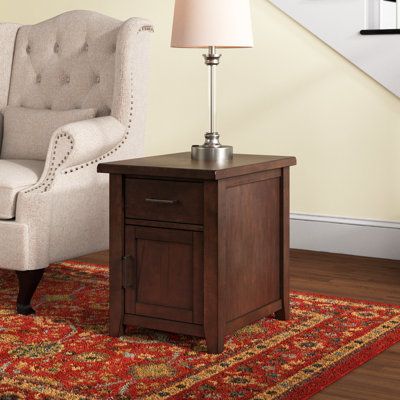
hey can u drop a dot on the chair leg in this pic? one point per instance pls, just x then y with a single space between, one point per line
28 282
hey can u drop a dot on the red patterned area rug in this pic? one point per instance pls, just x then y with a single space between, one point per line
65 353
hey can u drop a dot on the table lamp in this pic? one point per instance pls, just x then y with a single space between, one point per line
212 24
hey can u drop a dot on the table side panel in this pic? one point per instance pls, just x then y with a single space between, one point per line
251 242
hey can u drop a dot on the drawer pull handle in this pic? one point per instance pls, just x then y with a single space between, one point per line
161 201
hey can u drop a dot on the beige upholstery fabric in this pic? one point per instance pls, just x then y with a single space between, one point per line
65 214
1 130
27 131
14 245
72 185
16 175
7 40
66 62
130 90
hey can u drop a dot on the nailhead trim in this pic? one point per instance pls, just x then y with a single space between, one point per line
45 185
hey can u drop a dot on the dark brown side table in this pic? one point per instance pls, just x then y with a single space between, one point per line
198 248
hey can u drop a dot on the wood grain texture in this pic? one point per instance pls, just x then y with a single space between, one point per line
252 316
164 325
349 276
214 320
164 224
180 165
240 268
143 196
284 313
360 278
130 251
198 279
116 253
164 273
252 242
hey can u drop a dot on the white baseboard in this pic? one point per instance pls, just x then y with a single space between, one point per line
359 237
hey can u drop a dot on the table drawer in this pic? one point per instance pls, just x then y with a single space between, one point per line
159 200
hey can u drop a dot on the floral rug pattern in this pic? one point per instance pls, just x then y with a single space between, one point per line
64 352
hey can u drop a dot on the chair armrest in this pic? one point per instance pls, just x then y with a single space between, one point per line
78 145
84 141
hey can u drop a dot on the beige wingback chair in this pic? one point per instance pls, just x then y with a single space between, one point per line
57 207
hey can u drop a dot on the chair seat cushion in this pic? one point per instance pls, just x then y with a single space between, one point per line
16 175
27 131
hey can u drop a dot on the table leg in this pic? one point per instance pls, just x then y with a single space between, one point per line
214 311
284 313
117 245
214 340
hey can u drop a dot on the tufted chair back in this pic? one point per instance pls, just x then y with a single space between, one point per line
79 59
65 63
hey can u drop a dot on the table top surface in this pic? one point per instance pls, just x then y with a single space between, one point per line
180 165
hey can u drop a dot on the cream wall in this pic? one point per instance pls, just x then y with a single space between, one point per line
291 95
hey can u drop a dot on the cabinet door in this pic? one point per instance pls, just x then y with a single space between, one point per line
164 277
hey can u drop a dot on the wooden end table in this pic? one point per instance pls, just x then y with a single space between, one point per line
198 248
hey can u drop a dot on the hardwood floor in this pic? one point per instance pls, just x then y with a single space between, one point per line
360 278
348 276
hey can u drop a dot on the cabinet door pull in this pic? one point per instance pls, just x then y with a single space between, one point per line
161 201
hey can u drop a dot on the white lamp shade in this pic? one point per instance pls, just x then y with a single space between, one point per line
219 23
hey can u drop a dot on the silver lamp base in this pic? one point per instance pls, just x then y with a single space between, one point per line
212 153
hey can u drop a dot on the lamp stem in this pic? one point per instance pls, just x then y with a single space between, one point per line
212 150
212 60
212 87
